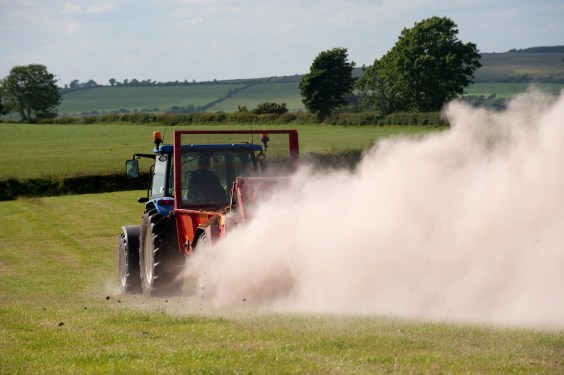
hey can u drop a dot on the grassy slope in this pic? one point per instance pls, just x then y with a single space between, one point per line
279 92
509 90
500 66
57 265
130 98
34 151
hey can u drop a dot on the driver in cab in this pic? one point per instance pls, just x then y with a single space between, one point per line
204 186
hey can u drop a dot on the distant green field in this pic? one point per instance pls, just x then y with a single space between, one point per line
509 90
500 67
34 151
153 98
283 92
161 98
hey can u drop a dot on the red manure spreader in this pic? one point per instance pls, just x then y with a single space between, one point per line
201 186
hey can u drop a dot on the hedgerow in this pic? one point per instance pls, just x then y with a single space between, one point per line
41 187
246 117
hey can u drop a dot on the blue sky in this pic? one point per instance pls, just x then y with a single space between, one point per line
168 40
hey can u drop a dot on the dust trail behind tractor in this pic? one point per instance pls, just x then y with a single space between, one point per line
464 224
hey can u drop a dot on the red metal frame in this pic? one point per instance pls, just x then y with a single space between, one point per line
188 221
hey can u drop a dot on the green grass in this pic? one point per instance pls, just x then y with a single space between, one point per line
45 151
162 97
106 99
509 90
281 92
499 67
58 266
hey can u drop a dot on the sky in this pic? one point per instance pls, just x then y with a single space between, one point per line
202 40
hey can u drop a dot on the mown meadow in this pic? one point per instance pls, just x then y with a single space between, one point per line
60 313
46 151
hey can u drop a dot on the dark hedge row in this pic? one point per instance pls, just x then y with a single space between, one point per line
342 118
12 188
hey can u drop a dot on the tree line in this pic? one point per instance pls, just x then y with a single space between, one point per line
427 67
77 85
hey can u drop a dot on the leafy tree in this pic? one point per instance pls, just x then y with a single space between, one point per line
3 107
90 83
381 87
32 91
328 82
112 81
427 67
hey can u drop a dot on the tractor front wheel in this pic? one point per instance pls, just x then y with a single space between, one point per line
160 261
128 260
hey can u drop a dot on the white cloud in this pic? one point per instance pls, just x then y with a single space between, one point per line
100 7
93 7
70 7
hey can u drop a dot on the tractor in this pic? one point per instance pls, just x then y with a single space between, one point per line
199 189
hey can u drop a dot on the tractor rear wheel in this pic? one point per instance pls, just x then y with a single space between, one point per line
160 261
128 263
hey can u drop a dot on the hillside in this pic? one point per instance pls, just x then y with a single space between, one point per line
530 65
503 74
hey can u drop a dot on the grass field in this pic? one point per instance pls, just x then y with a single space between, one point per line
504 66
44 151
106 99
280 92
137 98
60 314
509 90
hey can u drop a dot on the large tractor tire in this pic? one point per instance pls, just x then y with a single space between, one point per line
128 260
160 262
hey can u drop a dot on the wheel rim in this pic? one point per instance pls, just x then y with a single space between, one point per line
148 257
123 267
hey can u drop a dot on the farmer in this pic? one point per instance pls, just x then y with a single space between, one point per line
204 186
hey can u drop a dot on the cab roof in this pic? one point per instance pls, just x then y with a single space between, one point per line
167 149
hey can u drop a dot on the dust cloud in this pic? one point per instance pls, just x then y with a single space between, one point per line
465 224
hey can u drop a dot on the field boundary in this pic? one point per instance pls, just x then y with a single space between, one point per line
11 189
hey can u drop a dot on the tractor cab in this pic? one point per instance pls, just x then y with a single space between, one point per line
207 172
